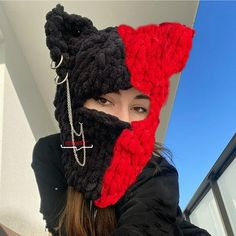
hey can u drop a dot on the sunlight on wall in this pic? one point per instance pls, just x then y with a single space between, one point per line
19 197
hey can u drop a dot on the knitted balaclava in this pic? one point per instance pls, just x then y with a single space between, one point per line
103 155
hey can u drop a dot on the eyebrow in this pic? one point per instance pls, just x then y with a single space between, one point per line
139 96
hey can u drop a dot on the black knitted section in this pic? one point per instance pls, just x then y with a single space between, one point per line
101 130
94 59
95 63
65 33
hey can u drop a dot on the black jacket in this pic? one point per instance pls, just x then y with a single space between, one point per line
149 207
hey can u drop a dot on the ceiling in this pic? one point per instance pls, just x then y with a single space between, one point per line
27 19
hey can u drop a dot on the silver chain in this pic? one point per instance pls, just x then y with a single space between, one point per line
73 131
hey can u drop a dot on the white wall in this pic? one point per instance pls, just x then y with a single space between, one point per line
23 119
19 197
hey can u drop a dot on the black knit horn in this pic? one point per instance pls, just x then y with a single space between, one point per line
64 34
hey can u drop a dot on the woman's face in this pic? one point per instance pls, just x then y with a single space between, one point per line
128 105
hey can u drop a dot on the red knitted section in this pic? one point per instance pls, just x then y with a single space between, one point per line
153 53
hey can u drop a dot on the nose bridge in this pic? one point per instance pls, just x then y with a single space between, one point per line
123 114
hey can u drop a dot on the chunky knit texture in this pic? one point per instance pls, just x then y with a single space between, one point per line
102 61
99 127
153 54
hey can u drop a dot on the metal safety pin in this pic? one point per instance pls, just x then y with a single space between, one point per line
68 146
77 149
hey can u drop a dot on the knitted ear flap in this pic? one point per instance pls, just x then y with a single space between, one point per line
64 34
177 45
154 53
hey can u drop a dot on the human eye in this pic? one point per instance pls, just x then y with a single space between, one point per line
140 109
102 100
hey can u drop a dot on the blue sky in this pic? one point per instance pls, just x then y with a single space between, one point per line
203 119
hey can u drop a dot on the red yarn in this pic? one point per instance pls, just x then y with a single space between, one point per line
153 54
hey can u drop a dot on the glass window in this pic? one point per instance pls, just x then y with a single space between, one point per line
228 192
206 216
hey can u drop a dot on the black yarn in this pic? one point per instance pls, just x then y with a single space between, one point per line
65 31
95 63
102 131
94 59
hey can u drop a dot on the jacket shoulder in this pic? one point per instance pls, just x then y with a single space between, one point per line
46 160
47 143
156 172
50 178
149 206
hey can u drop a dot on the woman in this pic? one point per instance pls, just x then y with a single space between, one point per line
102 174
